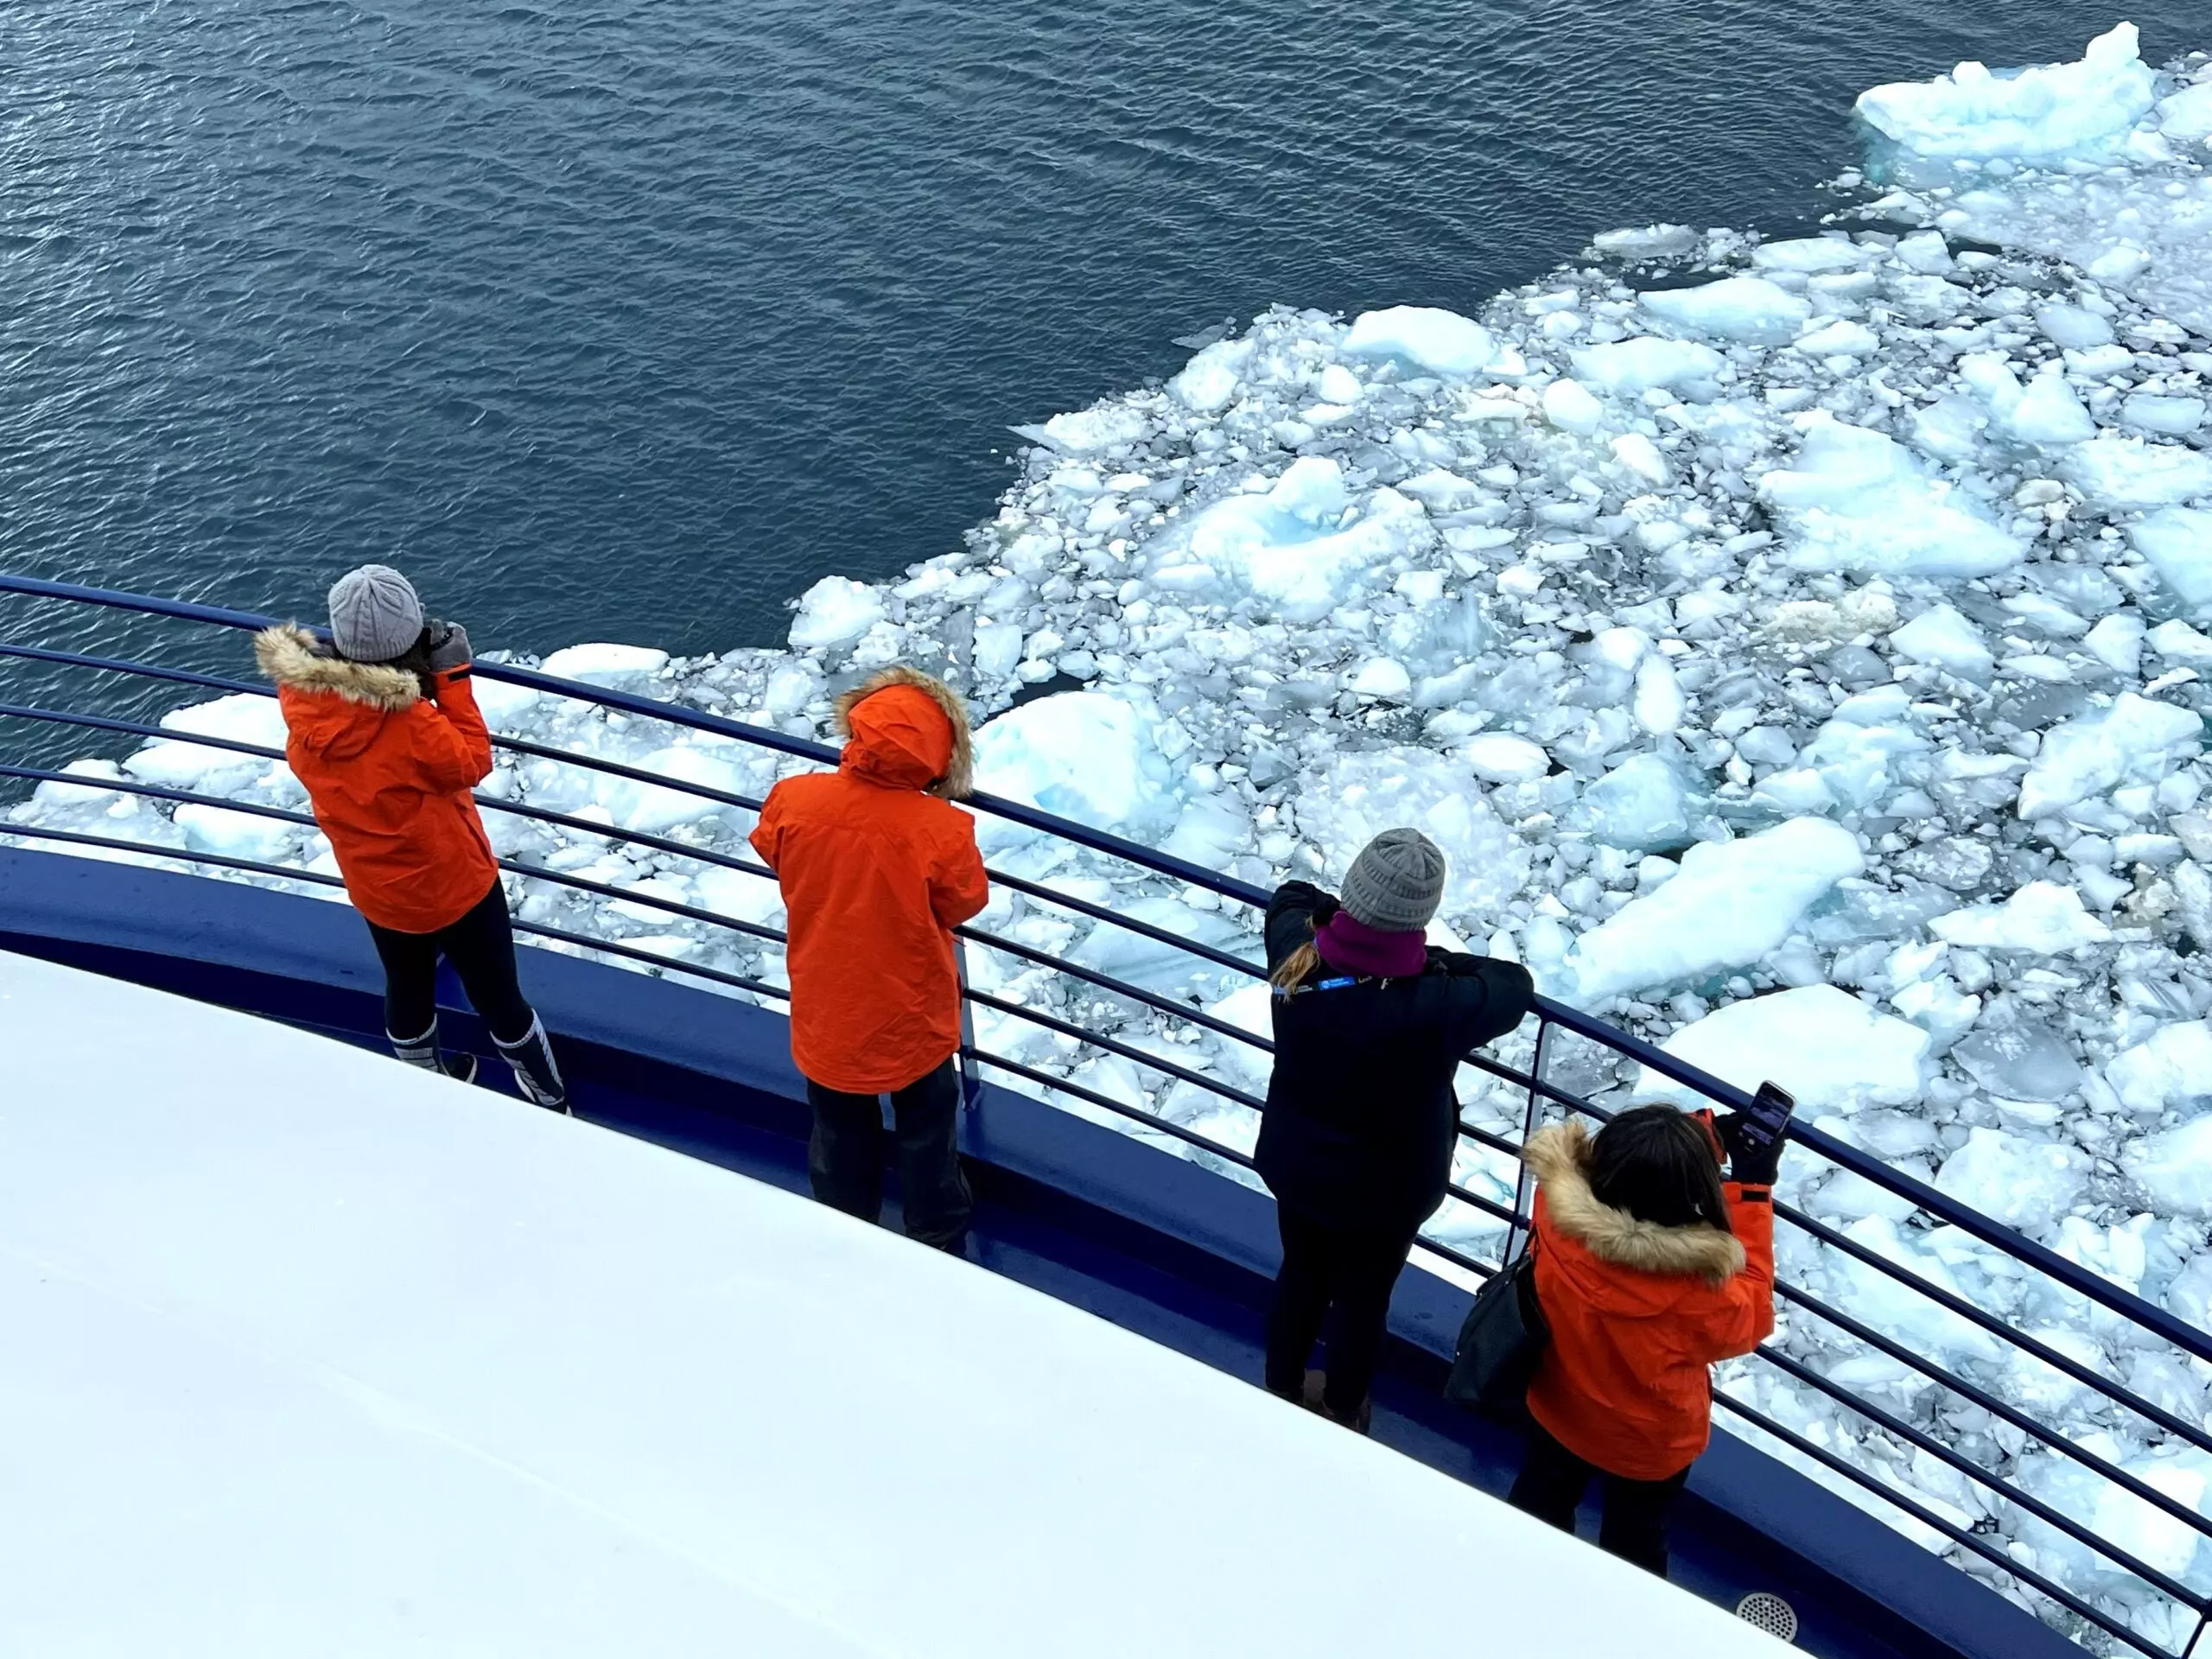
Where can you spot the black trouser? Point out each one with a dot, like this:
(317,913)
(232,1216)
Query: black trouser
(844,1156)
(1634,1524)
(481,948)
(1327,1268)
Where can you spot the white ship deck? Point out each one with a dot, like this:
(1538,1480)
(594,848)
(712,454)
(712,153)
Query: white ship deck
(309,1353)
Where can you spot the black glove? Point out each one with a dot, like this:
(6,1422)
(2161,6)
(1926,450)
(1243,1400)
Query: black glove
(1751,1165)
(448,646)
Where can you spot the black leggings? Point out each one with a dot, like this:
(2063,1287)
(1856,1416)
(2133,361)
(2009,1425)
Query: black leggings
(1326,1267)
(1634,1524)
(481,948)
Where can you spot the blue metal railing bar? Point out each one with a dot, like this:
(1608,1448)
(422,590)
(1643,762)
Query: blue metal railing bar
(1891,1423)
(1959,1535)
(2057,1268)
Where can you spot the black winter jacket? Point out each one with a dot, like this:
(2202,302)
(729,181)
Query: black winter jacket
(1361,1122)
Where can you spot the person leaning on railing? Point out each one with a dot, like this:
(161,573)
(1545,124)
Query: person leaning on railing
(1361,1123)
(877,867)
(1648,1268)
(383,733)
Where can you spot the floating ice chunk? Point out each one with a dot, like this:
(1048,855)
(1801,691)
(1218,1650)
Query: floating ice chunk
(1748,309)
(2186,115)
(1382,676)
(1210,381)
(1641,457)
(2115,472)
(234,835)
(1809,254)
(504,707)
(653,809)
(1501,758)
(2008,1177)
(2042,114)
(2173,417)
(1629,368)
(836,611)
(2072,327)
(1731,903)
(2042,916)
(1109,426)
(1116,950)
(1647,242)
(1212,830)
(2023,1060)
(1659,704)
(1645,804)
(1824,1045)
(998,649)
(1310,490)
(2177,642)
(1842,338)
(2136,740)
(1856,500)
(1358,796)
(740,895)
(2047,412)
(2169,1068)
(1300,550)
(1443,342)
(1569,406)
(1941,636)
(2117,642)
(2174,1168)
(1092,756)
(243,717)
(1338,384)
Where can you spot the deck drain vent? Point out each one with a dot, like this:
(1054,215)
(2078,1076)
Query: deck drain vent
(1769,1613)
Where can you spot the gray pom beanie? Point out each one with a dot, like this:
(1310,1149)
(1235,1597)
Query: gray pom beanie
(1397,882)
(374,615)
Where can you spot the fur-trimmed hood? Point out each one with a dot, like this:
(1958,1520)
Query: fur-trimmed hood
(946,760)
(292,658)
(1559,1155)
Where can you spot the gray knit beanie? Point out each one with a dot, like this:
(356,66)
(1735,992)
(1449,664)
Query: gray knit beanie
(374,615)
(1397,882)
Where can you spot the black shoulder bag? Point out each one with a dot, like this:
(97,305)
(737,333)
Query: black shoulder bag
(1502,1340)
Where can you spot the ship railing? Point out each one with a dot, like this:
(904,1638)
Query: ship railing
(1967,1414)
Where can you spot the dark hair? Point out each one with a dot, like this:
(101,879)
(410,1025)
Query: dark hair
(415,660)
(1659,1165)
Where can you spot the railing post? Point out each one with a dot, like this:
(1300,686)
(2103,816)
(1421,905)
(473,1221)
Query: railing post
(1520,1198)
(971,1080)
(2195,1637)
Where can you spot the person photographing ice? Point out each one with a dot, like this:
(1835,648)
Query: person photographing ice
(1648,1267)
(1360,1122)
(383,733)
(877,867)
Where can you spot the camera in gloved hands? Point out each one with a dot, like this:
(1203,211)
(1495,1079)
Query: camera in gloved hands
(448,645)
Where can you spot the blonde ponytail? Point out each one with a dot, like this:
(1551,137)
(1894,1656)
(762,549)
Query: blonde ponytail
(1294,968)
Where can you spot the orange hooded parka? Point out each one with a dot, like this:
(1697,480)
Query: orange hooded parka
(877,868)
(389,773)
(1638,1313)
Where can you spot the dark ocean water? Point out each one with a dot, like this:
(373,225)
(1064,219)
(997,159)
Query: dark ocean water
(618,319)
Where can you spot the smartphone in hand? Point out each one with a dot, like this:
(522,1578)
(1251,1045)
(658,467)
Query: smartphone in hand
(1768,1118)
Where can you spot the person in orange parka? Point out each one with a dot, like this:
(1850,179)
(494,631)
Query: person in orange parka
(385,735)
(1648,1268)
(877,867)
